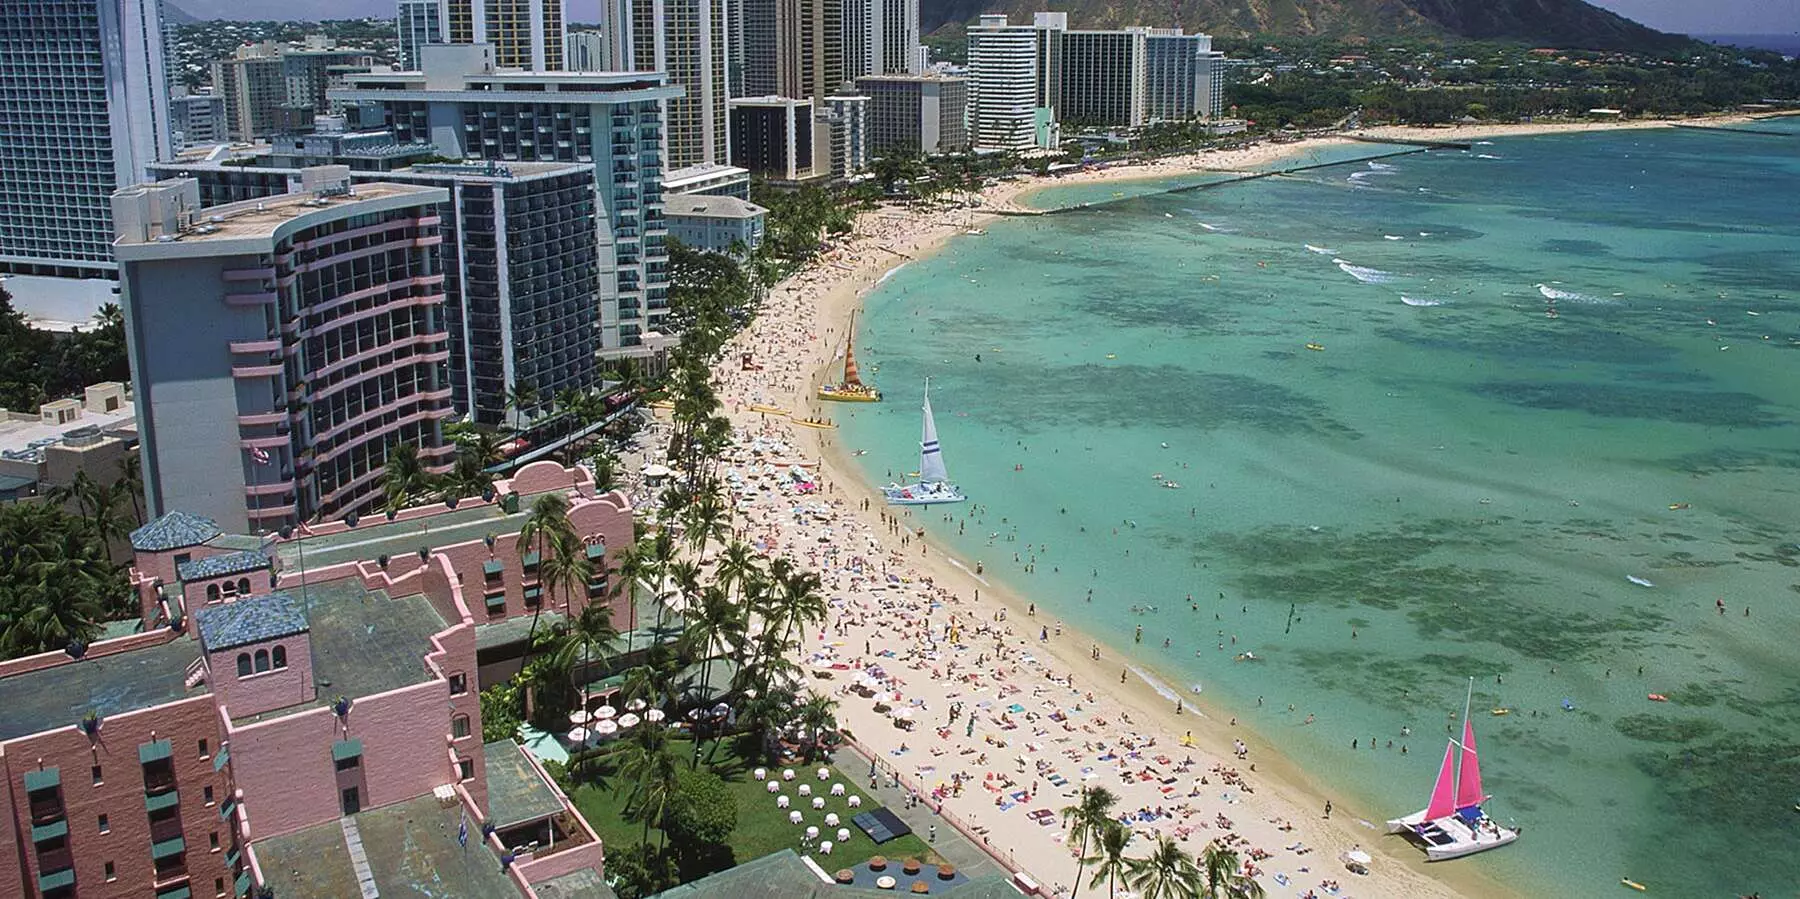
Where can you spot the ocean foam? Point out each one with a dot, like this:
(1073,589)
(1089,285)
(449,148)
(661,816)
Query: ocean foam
(1552,293)
(1415,301)
(1392,237)
(1321,250)
(890,273)
(1364,273)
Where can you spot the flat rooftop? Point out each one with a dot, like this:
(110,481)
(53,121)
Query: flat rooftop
(260,218)
(375,536)
(582,884)
(516,794)
(58,697)
(363,642)
(24,435)
(412,854)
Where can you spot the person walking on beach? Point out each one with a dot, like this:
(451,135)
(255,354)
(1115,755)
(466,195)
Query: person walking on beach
(1327,808)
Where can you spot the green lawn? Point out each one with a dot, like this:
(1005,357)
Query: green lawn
(762,827)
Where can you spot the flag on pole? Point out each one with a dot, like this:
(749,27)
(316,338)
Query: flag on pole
(260,455)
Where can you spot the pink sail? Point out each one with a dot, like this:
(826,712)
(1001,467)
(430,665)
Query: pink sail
(1468,780)
(1442,792)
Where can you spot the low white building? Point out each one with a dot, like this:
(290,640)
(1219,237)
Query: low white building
(719,224)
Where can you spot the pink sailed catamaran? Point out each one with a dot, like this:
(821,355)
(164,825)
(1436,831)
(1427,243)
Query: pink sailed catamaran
(1453,824)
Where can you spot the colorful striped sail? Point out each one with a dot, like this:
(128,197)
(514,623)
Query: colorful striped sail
(850,378)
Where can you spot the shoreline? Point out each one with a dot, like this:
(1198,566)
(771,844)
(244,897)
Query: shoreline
(811,311)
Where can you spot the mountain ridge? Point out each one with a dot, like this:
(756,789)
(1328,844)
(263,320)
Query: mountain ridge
(1557,23)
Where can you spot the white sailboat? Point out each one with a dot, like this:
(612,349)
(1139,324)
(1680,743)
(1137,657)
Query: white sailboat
(1453,824)
(934,482)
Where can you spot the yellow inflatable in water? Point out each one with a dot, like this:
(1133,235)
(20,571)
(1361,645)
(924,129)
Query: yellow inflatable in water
(1633,884)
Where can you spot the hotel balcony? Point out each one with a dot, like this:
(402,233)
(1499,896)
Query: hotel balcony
(255,371)
(266,273)
(262,419)
(254,346)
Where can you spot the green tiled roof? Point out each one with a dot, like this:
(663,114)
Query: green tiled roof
(493,566)
(531,560)
(223,564)
(162,801)
(346,749)
(247,621)
(533,592)
(42,780)
(596,550)
(174,531)
(154,750)
(42,832)
(167,847)
(220,758)
(180,892)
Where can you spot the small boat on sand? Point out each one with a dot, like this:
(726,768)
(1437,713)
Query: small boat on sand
(1453,824)
(851,389)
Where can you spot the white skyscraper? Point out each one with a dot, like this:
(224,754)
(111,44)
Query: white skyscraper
(419,22)
(525,34)
(587,51)
(881,37)
(1015,74)
(84,107)
(687,39)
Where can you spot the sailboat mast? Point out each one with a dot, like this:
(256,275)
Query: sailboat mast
(1461,750)
(850,375)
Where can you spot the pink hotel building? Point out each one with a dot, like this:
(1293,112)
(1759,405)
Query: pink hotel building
(302,713)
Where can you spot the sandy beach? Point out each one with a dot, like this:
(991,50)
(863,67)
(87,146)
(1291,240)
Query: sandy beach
(1007,713)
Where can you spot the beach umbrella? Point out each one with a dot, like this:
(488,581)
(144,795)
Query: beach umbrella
(628,720)
(1358,856)
(579,716)
(655,715)
(604,712)
(580,735)
(606,728)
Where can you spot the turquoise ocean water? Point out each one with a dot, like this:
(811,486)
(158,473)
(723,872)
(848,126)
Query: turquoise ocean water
(1457,485)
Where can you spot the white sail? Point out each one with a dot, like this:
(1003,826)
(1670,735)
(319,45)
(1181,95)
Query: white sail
(931,456)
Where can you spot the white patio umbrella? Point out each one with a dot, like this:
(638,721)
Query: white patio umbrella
(579,716)
(1358,856)
(655,715)
(604,712)
(636,705)
(628,720)
(580,735)
(606,728)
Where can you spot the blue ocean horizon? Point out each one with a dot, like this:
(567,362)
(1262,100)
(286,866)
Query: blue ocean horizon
(1548,431)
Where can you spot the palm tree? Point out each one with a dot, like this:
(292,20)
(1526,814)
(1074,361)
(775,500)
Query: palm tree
(404,479)
(817,715)
(1109,856)
(649,764)
(797,601)
(707,519)
(1084,820)
(547,525)
(131,479)
(522,399)
(714,628)
(1166,873)
(589,637)
(1219,868)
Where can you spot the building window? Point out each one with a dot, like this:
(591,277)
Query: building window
(244,586)
(465,768)
(218,886)
(207,795)
(459,684)
(105,826)
(243,663)
(459,726)
(262,660)
(351,800)
(212,841)
(212,592)
(111,874)
(279,656)
(98,780)
(203,752)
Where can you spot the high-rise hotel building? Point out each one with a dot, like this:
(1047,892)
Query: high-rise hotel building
(418,22)
(1015,79)
(84,107)
(688,40)
(525,34)
(881,37)
(611,121)
(281,347)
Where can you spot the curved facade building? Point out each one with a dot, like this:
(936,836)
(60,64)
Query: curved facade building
(309,326)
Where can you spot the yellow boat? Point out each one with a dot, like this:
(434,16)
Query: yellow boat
(814,423)
(767,409)
(851,389)
(661,404)
(1626,881)
(1316,347)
